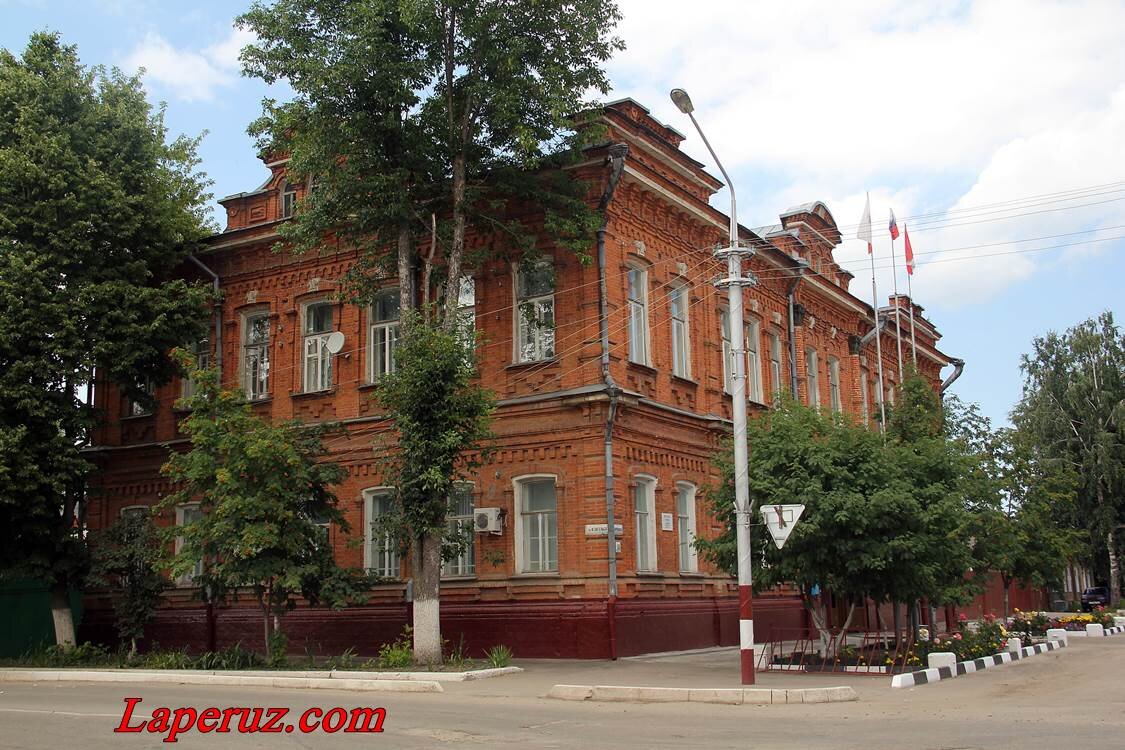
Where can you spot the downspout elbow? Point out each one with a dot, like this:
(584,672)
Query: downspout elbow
(958,368)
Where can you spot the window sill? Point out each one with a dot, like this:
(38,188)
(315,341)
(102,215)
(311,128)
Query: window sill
(257,401)
(547,574)
(642,367)
(459,579)
(537,363)
(367,386)
(648,574)
(685,381)
(313,394)
(128,417)
(692,574)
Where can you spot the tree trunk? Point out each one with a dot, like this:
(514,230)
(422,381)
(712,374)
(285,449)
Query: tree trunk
(1007,583)
(1114,569)
(427,591)
(896,614)
(457,245)
(405,267)
(60,613)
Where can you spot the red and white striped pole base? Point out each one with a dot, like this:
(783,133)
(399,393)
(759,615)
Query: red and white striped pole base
(746,633)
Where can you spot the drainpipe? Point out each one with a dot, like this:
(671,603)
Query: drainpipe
(616,161)
(958,368)
(212,644)
(795,274)
(218,315)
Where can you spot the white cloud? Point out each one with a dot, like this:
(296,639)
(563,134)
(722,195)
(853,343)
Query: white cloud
(930,106)
(190,75)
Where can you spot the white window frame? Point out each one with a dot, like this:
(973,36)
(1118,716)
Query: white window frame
(523,562)
(467,308)
(678,304)
(775,363)
(464,565)
(728,361)
(637,299)
(316,360)
(686,527)
(187,580)
(812,376)
(262,347)
(287,199)
(534,333)
(202,352)
(754,389)
(382,558)
(129,510)
(834,385)
(644,523)
(382,337)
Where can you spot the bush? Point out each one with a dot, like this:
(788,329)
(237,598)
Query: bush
(165,660)
(234,657)
(344,661)
(399,654)
(1028,624)
(499,656)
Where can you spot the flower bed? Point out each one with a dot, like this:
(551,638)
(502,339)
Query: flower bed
(1030,625)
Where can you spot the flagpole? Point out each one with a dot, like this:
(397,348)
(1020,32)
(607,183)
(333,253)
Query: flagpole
(878,342)
(913,342)
(898,328)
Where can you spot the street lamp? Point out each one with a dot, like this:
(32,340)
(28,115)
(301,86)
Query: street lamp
(734,282)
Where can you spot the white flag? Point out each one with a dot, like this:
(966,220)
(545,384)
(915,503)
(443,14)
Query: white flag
(865,224)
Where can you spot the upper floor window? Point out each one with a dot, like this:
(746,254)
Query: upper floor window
(317,358)
(681,341)
(812,377)
(834,384)
(380,548)
(288,199)
(775,363)
(384,332)
(685,527)
(638,316)
(754,362)
(865,399)
(256,356)
(201,355)
(535,313)
(644,515)
(138,408)
(460,522)
(537,505)
(467,306)
(728,361)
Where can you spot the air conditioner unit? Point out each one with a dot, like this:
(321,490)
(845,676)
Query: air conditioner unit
(490,520)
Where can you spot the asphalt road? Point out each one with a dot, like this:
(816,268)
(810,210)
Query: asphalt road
(1075,698)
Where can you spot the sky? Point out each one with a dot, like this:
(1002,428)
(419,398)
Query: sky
(994,130)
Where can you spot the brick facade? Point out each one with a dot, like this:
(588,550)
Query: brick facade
(552,414)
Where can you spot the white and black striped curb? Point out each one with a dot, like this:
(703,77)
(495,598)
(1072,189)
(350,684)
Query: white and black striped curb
(926,676)
(1114,631)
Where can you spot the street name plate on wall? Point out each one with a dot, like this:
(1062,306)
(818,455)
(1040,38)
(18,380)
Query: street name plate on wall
(665,521)
(601,529)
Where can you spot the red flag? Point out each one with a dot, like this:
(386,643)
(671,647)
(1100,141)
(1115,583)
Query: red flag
(894,226)
(909,252)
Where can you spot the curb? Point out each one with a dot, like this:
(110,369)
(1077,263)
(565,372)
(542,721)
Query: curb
(729,696)
(927,676)
(1114,630)
(204,678)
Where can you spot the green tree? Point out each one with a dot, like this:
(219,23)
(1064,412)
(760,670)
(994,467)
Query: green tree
(127,558)
(856,536)
(264,498)
(413,119)
(441,416)
(97,209)
(1073,410)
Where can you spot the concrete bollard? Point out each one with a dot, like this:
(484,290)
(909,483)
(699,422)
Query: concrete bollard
(1095,630)
(1014,645)
(942,659)
(1057,634)
(1119,622)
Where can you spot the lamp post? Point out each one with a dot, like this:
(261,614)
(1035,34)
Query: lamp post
(734,252)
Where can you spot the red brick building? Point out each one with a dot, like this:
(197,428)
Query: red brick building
(541,584)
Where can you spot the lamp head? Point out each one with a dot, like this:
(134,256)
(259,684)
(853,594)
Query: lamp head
(682,101)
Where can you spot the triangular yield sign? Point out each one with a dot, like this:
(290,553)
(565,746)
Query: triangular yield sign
(780,520)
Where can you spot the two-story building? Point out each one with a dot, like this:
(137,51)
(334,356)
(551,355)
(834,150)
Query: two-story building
(645,420)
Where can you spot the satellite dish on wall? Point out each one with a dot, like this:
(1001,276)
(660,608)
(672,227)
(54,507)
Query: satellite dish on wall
(335,342)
